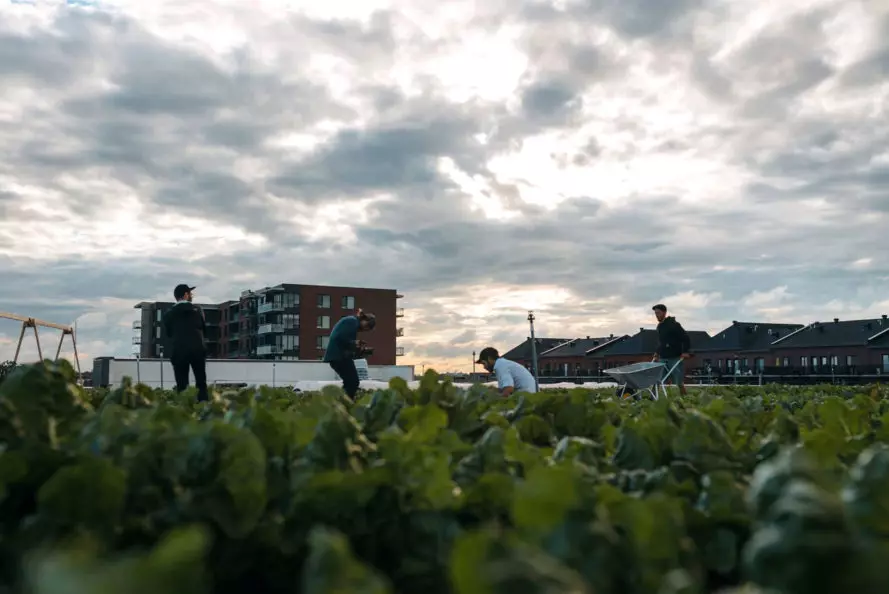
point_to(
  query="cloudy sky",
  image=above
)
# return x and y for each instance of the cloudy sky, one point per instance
(583, 158)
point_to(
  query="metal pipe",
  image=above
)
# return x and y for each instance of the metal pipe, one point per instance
(531, 319)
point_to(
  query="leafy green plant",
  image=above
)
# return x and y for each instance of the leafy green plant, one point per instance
(772, 490)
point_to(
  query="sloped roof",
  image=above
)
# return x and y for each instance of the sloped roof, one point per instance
(645, 341)
(881, 338)
(837, 333)
(747, 336)
(523, 350)
(576, 347)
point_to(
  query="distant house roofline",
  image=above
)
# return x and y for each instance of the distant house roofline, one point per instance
(558, 346)
(794, 333)
(613, 340)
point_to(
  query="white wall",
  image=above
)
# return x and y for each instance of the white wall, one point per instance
(159, 373)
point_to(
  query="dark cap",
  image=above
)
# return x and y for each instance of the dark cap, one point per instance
(488, 353)
(659, 307)
(180, 291)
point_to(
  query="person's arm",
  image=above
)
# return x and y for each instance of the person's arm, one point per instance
(168, 324)
(505, 383)
(657, 348)
(685, 340)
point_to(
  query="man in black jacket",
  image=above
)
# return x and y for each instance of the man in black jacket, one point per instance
(184, 326)
(674, 345)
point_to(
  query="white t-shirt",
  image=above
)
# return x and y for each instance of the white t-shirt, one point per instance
(509, 373)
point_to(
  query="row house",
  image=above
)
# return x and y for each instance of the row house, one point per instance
(641, 347)
(523, 353)
(743, 347)
(842, 347)
(573, 358)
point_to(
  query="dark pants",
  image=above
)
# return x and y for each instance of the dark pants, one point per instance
(349, 374)
(198, 365)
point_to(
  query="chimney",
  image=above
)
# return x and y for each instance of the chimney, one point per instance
(641, 329)
(884, 316)
(836, 320)
(587, 337)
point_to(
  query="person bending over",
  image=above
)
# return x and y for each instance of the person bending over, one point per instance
(343, 347)
(511, 377)
(184, 326)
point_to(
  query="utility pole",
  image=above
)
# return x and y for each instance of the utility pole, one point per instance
(473, 362)
(533, 350)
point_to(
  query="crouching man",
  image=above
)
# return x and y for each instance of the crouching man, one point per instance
(511, 377)
(343, 347)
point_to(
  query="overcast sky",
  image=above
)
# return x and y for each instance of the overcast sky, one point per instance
(584, 159)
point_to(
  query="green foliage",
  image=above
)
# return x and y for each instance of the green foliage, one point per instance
(771, 490)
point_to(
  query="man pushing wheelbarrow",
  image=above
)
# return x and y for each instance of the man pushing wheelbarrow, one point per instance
(673, 346)
(672, 350)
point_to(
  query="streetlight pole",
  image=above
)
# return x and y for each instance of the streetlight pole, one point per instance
(531, 319)
(473, 363)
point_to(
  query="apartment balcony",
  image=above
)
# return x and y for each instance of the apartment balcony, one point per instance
(137, 325)
(399, 312)
(270, 328)
(137, 340)
(268, 349)
(399, 332)
(269, 307)
(234, 337)
(399, 351)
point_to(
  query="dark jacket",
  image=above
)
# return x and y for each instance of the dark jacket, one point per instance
(341, 345)
(184, 326)
(673, 340)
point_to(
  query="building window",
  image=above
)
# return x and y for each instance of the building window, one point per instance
(885, 363)
(160, 315)
(290, 321)
(290, 342)
(157, 332)
(850, 361)
(323, 322)
(324, 301)
(322, 341)
(804, 362)
(834, 361)
(760, 364)
(348, 302)
(786, 362)
(290, 300)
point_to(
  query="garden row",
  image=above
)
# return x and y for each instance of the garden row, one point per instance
(440, 490)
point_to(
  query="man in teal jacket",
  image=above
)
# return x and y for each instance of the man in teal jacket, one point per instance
(343, 347)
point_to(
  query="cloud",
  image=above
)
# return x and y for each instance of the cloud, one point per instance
(581, 159)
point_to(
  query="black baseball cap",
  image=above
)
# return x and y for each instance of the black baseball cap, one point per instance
(488, 353)
(180, 291)
(659, 307)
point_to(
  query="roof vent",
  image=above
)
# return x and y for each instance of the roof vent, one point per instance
(641, 329)
(734, 322)
(611, 336)
(884, 316)
(587, 337)
(836, 320)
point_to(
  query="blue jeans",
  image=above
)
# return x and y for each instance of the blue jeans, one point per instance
(678, 374)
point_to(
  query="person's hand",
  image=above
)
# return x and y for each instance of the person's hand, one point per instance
(685, 356)
(656, 358)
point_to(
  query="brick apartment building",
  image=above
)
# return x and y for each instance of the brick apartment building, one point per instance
(283, 322)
